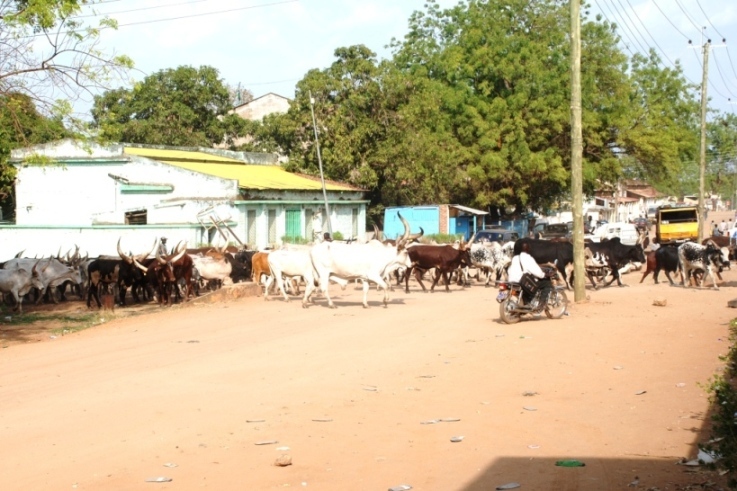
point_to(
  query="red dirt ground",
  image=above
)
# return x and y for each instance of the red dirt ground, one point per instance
(344, 394)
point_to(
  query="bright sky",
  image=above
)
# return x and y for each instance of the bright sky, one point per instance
(269, 45)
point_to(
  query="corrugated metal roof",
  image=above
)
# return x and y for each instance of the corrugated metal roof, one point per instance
(248, 176)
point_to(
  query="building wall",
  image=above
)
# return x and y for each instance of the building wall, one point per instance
(83, 193)
(262, 106)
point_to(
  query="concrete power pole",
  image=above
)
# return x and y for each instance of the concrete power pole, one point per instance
(579, 286)
(702, 156)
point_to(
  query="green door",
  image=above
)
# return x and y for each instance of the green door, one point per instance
(294, 223)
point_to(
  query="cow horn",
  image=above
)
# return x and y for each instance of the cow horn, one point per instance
(122, 254)
(416, 236)
(403, 240)
(376, 232)
(225, 246)
(159, 258)
(68, 258)
(140, 266)
(58, 254)
(33, 270)
(142, 257)
(17, 256)
(176, 257)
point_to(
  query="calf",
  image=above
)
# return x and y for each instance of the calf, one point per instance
(693, 257)
(259, 266)
(444, 258)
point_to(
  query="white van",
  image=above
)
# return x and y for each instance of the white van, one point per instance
(626, 232)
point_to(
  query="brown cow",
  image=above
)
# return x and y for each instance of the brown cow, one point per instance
(259, 266)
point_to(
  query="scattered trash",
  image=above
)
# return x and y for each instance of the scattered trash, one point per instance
(511, 485)
(193, 341)
(618, 367)
(371, 389)
(427, 376)
(499, 335)
(159, 479)
(707, 457)
(266, 442)
(170, 464)
(639, 393)
(680, 384)
(255, 420)
(450, 420)
(430, 422)
(634, 483)
(401, 487)
(283, 461)
(322, 420)
(660, 302)
(457, 439)
(529, 408)
(570, 463)
(533, 446)
(530, 393)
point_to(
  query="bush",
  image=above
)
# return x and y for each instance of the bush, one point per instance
(288, 239)
(723, 399)
(337, 235)
(440, 238)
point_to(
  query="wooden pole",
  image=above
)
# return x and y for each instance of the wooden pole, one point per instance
(702, 156)
(579, 286)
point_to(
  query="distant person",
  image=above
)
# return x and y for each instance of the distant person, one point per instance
(722, 227)
(326, 237)
(162, 247)
(715, 230)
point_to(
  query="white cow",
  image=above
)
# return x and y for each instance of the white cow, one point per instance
(291, 263)
(367, 262)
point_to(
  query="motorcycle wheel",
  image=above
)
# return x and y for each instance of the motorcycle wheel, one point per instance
(557, 304)
(506, 311)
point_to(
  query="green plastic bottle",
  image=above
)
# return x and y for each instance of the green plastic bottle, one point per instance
(570, 463)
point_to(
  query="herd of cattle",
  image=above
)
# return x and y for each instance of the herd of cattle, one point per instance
(181, 272)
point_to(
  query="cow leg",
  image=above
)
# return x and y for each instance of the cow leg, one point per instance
(418, 276)
(647, 272)
(407, 274)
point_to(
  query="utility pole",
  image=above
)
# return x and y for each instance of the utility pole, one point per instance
(702, 153)
(319, 163)
(579, 286)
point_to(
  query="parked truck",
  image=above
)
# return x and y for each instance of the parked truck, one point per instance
(676, 224)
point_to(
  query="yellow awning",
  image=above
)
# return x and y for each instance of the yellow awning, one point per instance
(249, 176)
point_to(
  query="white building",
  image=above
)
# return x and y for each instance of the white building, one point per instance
(71, 193)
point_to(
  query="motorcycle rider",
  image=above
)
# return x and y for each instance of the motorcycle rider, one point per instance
(524, 263)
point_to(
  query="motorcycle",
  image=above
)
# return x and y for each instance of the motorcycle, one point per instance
(512, 303)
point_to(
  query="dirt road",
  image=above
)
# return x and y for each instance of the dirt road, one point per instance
(344, 393)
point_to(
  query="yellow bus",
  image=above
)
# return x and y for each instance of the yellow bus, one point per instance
(676, 224)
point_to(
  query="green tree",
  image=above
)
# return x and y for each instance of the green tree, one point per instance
(183, 106)
(21, 125)
(49, 59)
(721, 156)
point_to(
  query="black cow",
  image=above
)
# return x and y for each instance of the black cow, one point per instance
(106, 272)
(612, 254)
(545, 251)
(444, 258)
(665, 258)
(240, 263)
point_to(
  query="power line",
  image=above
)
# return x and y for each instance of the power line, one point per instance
(688, 16)
(649, 34)
(138, 9)
(709, 21)
(204, 14)
(671, 22)
(167, 19)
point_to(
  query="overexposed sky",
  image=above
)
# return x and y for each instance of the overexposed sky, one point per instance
(269, 45)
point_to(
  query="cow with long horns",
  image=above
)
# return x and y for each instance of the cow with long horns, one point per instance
(370, 262)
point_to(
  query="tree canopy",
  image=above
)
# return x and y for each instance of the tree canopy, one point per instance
(474, 107)
(48, 60)
(180, 106)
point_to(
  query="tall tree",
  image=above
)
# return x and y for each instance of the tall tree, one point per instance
(49, 59)
(181, 106)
